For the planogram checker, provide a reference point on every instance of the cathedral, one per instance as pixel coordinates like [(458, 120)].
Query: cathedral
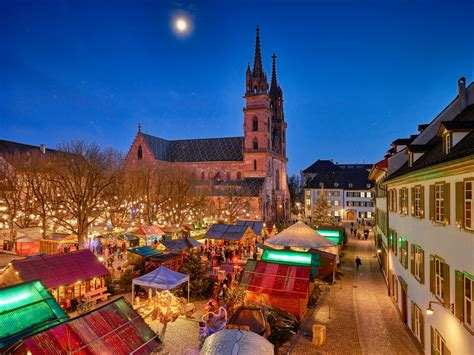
[(253, 166)]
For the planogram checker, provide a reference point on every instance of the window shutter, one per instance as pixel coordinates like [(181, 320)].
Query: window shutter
[(400, 201), (433, 352), (412, 317), (395, 200), (412, 259), (422, 267), (459, 202), (447, 203), (412, 201), (432, 274), (459, 295), (432, 202), (422, 330), (422, 202), (446, 283)]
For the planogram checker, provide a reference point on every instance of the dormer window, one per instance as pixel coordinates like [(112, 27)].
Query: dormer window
[(447, 143), (336, 184), (350, 185)]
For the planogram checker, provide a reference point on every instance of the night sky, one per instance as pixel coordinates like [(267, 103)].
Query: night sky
[(355, 76)]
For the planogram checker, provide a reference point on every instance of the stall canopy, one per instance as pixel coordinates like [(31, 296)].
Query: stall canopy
[(60, 269), (234, 341), (144, 251), (26, 309), (161, 279), (256, 226), (230, 232), (299, 236), (114, 328)]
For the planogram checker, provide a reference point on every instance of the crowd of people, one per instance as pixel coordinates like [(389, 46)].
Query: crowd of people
[(221, 252)]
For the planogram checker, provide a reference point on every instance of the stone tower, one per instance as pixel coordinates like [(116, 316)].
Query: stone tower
[(265, 135)]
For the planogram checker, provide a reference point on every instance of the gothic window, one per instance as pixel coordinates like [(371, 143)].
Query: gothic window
[(140, 153), (277, 180), (228, 175), (255, 124), (239, 175), (255, 143), (255, 165), (255, 89)]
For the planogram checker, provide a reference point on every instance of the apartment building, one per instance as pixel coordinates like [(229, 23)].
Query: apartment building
[(430, 187)]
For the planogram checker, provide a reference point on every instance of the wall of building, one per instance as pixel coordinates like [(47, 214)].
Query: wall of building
[(453, 244)]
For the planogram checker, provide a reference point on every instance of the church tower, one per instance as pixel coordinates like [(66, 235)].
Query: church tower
[(257, 118), (265, 136)]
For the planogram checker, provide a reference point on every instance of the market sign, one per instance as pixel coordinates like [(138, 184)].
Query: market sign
[(286, 257)]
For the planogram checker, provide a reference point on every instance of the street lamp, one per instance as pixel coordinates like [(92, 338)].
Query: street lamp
[(430, 310)]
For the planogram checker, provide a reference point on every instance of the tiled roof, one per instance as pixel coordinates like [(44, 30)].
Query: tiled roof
[(347, 179), (196, 150), (320, 166), (434, 155), (248, 187), (9, 147), (226, 231), (60, 269), (26, 309), (111, 329)]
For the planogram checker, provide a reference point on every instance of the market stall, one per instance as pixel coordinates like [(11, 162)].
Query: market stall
[(139, 255), (149, 235), (58, 243), (130, 240), (27, 245), (335, 234), (160, 279), (171, 261)]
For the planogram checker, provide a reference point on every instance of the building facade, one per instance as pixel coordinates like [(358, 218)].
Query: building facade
[(346, 188), (430, 184), (253, 165)]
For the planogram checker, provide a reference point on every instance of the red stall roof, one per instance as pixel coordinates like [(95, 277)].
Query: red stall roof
[(279, 280), (112, 329), (60, 269), (148, 231)]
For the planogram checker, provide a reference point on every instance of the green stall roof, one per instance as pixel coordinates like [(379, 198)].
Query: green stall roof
[(144, 251), (333, 235), (26, 309)]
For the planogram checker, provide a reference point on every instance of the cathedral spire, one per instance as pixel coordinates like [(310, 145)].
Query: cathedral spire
[(274, 83), (257, 61)]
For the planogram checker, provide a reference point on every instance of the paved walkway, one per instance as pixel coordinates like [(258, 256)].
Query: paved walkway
[(360, 317)]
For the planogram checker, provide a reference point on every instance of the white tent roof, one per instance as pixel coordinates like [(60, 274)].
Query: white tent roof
[(161, 278), (236, 342), (299, 235)]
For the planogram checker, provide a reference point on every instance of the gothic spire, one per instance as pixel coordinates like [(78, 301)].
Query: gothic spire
[(274, 83), (257, 62)]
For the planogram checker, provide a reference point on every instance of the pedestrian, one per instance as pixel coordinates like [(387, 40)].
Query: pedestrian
[(358, 235), (352, 229), (358, 262), (366, 233)]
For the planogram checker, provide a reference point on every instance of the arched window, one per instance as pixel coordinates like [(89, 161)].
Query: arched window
[(255, 143), (277, 180), (239, 175), (255, 89), (255, 165), (228, 176), (255, 124), (140, 153)]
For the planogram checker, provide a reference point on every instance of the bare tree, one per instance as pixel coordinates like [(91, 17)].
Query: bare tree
[(235, 205), (82, 177)]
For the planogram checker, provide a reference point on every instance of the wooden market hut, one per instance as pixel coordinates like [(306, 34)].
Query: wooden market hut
[(26, 309), (285, 287), (231, 232), (148, 234), (171, 261), (58, 243), (336, 234), (114, 328), (137, 256), (257, 226), (68, 276)]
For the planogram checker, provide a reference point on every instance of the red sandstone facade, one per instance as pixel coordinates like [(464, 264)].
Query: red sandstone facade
[(254, 165)]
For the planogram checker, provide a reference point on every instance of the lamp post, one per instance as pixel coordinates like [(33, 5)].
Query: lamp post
[(430, 310)]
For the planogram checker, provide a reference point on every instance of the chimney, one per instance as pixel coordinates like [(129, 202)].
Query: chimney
[(43, 148), (462, 93)]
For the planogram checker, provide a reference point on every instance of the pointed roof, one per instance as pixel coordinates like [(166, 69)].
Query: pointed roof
[(301, 236), (274, 83), (257, 61), (161, 278)]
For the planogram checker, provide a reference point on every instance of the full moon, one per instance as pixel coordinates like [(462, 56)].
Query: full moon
[(181, 24)]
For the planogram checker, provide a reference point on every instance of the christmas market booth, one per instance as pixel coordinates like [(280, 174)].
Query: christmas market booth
[(257, 226), (282, 286), (171, 261), (139, 255), (69, 277), (149, 235), (58, 243), (301, 244), (335, 234), (131, 240), (114, 328), (26, 309), (181, 245), (27, 245)]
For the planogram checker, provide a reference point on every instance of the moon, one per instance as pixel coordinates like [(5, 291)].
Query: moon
[(181, 24)]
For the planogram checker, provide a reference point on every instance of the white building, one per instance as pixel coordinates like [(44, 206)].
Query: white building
[(346, 187), (430, 186)]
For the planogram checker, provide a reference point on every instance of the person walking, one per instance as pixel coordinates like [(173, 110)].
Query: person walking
[(358, 262)]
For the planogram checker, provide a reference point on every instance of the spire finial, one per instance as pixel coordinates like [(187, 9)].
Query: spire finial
[(274, 83), (257, 62), (139, 127)]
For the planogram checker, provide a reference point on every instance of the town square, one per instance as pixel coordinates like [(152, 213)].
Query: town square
[(241, 177)]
